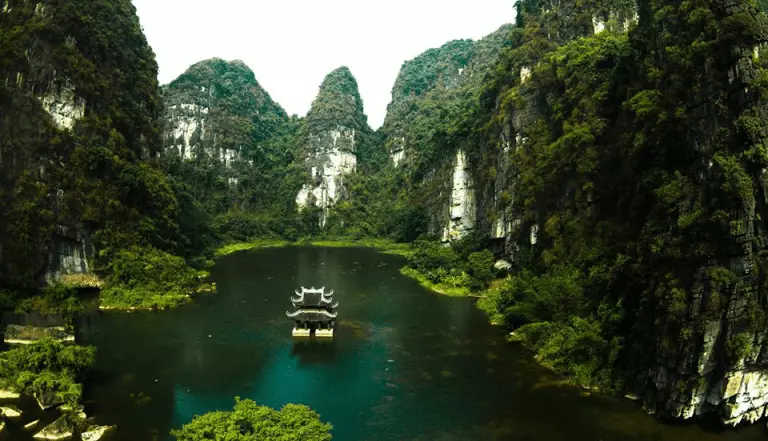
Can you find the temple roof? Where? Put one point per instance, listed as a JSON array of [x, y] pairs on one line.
[[314, 297], [312, 315]]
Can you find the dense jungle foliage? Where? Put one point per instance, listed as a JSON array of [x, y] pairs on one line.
[[621, 144], [99, 178], [641, 165]]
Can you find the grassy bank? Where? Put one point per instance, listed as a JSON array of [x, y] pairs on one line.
[[382, 245], [254, 244], [440, 288], [487, 298]]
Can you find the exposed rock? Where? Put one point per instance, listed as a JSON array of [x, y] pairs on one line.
[[23, 335], [2, 427], [8, 395], [502, 265], [31, 425], [426, 94], [10, 412], [63, 105], [73, 250], [217, 110], [57, 431], [47, 400], [79, 411], [95, 433], [462, 203], [336, 126]]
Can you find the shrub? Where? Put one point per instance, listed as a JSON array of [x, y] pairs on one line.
[[480, 268], [57, 299], [552, 297], [249, 421], [738, 347], [576, 349], [46, 367], [237, 226], [147, 277], [429, 256]]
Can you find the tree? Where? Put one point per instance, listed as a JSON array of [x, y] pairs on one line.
[[249, 421], [46, 367]]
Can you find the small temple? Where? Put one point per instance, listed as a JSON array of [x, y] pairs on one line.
[[315, 312]]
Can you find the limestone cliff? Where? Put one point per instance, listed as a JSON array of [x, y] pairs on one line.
[[217, 111], [78, 108], [335, 128], [428, 131], [694, 293]]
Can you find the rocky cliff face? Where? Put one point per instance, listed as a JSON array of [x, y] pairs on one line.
[[78, 110], [217, 111], [427, 133], [335, 127], [721, 368], [701, 319]]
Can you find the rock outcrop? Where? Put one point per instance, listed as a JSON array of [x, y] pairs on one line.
[[335, 128], [217, 111], [424, 112], [78, 116]]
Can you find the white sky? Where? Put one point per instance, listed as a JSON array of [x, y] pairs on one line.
[[292, 44]]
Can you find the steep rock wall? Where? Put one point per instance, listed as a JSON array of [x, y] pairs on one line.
[[335, 128], [699, 331], [332, 159], [430, 138], [217, 111]]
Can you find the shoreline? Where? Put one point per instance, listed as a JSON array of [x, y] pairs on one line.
[[485, 299], [385, 246]]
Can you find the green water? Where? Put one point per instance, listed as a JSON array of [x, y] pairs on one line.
[[405, 364]]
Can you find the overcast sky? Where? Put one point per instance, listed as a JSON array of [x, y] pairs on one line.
[[292, 44]]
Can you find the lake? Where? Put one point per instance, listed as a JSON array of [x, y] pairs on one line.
[[406, 363]]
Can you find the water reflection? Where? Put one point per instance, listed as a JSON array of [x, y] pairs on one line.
[[404, 364]]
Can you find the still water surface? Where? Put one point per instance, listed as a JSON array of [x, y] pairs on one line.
[[406, 364]]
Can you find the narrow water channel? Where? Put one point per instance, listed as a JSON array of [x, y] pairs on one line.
[[406, 364]]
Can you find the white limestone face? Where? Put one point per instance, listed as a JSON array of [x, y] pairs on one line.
[[598, 25], [746, 396], [227, 157], [184, 126], [302, 199], [8, 395], [525, 74], [534, 234], [397, 151], [69, 257], [331, 158], [398, 157], [461, 219], [63, 106], [501, 227]]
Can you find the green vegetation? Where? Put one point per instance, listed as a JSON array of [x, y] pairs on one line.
[[632, 152], [147, 278], [383, 245], [249, 421], [57, 299], [453, 270], [635, 164], [46, 368]]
